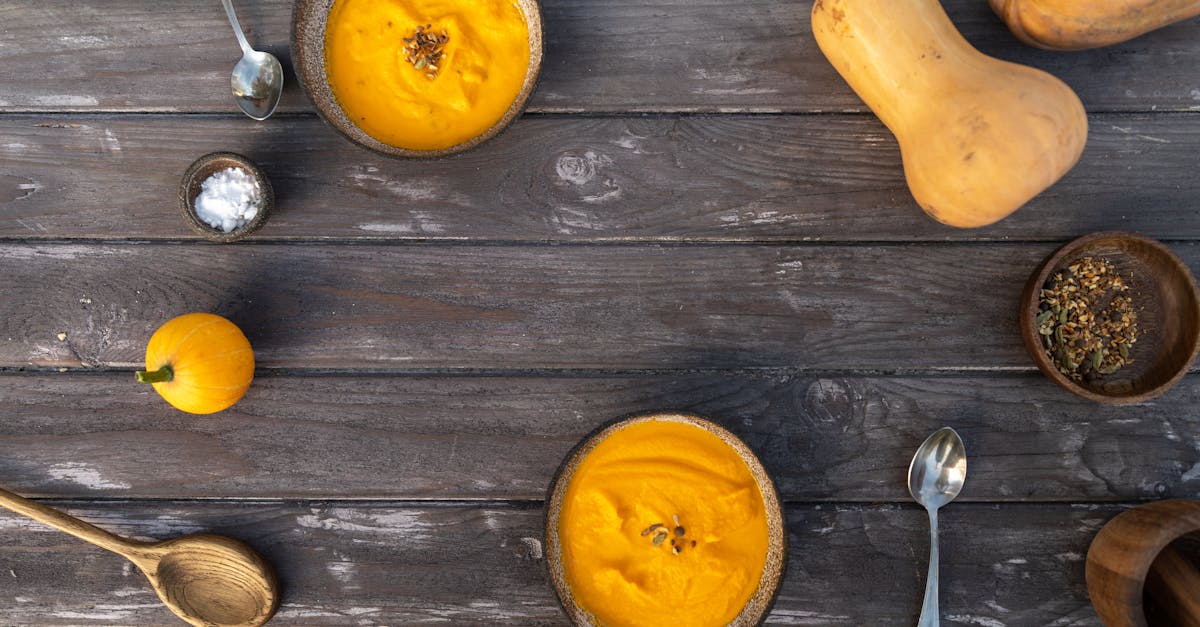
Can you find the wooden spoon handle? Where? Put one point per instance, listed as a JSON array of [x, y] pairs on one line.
[[68, 524]]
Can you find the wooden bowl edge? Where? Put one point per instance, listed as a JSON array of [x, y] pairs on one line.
[[186, 202], [1115, 587], [759, 605], [1029, 305], [321, 95]]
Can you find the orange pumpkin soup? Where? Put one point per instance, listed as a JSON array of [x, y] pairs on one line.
[[426, 74], [663, 523]]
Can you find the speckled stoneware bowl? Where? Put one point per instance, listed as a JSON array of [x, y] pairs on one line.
[[1168, 307], [308, 55], [206, 166], [760, 602]]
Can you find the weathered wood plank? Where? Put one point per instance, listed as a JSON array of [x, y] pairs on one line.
[[719, 178], [897, 307], [669, 55], [525, 306], [395, 564], [366, 436]]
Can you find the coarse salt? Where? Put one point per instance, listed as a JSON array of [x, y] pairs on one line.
[[228, 199]]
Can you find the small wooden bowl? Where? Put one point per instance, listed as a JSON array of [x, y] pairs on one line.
[[308, 53], [206, 166], [1121, 555], [758, 606], [1168, 308]]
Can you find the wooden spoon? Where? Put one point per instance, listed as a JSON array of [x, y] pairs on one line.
[[207, 580]]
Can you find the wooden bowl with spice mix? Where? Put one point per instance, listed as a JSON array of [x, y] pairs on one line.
[[1113, 317], [664, 519], [418, 78], [225, 197]]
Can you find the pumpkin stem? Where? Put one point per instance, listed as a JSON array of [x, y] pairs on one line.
[[162, 375]]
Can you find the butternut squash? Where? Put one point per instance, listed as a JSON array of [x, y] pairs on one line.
[[978, 136], [1082, 24]]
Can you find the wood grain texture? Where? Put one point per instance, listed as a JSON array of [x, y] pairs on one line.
[[714, 178], [1171, 585], [822, 438], [508, 307], [408, 307], [387, 564], [668, 55], [429, 353]]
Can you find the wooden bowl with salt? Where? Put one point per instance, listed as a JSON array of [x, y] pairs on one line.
[[201, 170], [1163, 297]]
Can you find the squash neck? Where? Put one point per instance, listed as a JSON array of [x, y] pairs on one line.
[[894, 54]]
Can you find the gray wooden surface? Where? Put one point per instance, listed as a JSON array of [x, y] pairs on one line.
[[695, 213]]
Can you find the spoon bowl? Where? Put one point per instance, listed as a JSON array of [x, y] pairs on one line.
[[211, 580], [938, 469], [206, 580], [257, 79], [935, 477]]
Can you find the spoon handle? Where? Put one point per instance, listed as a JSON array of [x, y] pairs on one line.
[[237, 28], [63, 522], [930, 615]]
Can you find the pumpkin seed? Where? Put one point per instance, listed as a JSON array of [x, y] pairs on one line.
[[647, 530]]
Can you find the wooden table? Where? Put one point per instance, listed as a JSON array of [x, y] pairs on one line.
[[695, 213]]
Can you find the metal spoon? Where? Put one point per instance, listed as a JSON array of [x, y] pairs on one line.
[[207, 580], [257, 78], [935, 477]]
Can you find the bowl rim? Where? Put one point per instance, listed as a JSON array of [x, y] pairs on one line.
[[1121, 553], [233, 159], [1030, 302], [758, 607], [310, 73]]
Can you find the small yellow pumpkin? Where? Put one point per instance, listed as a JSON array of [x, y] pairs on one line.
[[200, 363], [979, 137]]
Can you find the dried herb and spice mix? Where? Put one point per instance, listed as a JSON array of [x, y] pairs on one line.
[[424, 50], [663, 523], [1087, 319]]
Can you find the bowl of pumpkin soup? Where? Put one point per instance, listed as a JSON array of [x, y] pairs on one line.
[[664, 519], [417, 78]]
